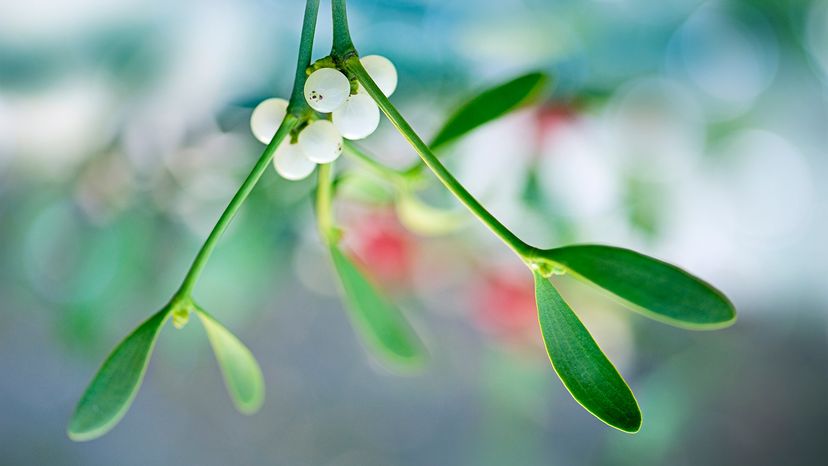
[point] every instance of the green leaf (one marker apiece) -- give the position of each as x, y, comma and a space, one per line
380, 324
241, 372
656, 289
109, 395
581, 365
489, 105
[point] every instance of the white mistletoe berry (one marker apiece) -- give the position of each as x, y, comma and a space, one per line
382, 71
326, 89
357, 118
292, 163
321, 142
266, 118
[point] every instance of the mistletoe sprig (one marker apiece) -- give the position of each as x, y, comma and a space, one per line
340, 96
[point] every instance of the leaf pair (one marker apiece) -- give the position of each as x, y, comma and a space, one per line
110, 394
654, 288
381, 325
650, 286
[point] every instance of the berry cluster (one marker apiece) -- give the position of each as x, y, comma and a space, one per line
327, 91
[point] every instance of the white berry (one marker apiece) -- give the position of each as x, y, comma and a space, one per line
382, 71
326, 89
321, 141
290, 162
357, 118
266, 118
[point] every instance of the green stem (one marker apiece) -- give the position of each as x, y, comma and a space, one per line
343, 47
524, 250
324, 204
395, 176
298, 106
227, 216
296, 109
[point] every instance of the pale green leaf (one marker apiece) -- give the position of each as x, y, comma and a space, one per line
242, 375
109, 395
381, 325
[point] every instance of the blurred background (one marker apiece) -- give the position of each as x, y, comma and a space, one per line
695, 131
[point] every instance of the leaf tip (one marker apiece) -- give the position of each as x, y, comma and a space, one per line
727, 319
252, 406
629, 421
79, 433
411, 364
632, 426
241, 372
75, 435
730, 313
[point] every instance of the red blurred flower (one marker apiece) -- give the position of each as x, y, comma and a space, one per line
550, 117
503, 303
383, 247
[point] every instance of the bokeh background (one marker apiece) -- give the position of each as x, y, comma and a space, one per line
696, 131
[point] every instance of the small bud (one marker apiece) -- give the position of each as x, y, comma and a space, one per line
180, 317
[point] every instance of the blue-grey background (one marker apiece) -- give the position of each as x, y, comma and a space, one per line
694, 131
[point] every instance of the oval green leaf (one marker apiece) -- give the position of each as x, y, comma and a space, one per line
654, 288
581, 365
109, 395
242, 374
489, 105
381, 325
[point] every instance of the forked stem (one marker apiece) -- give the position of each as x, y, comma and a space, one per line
525, 251
296, 109
232, 208
345, 54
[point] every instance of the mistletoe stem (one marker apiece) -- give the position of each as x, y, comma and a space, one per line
459, 191
343, 46
324, 205
296, 108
